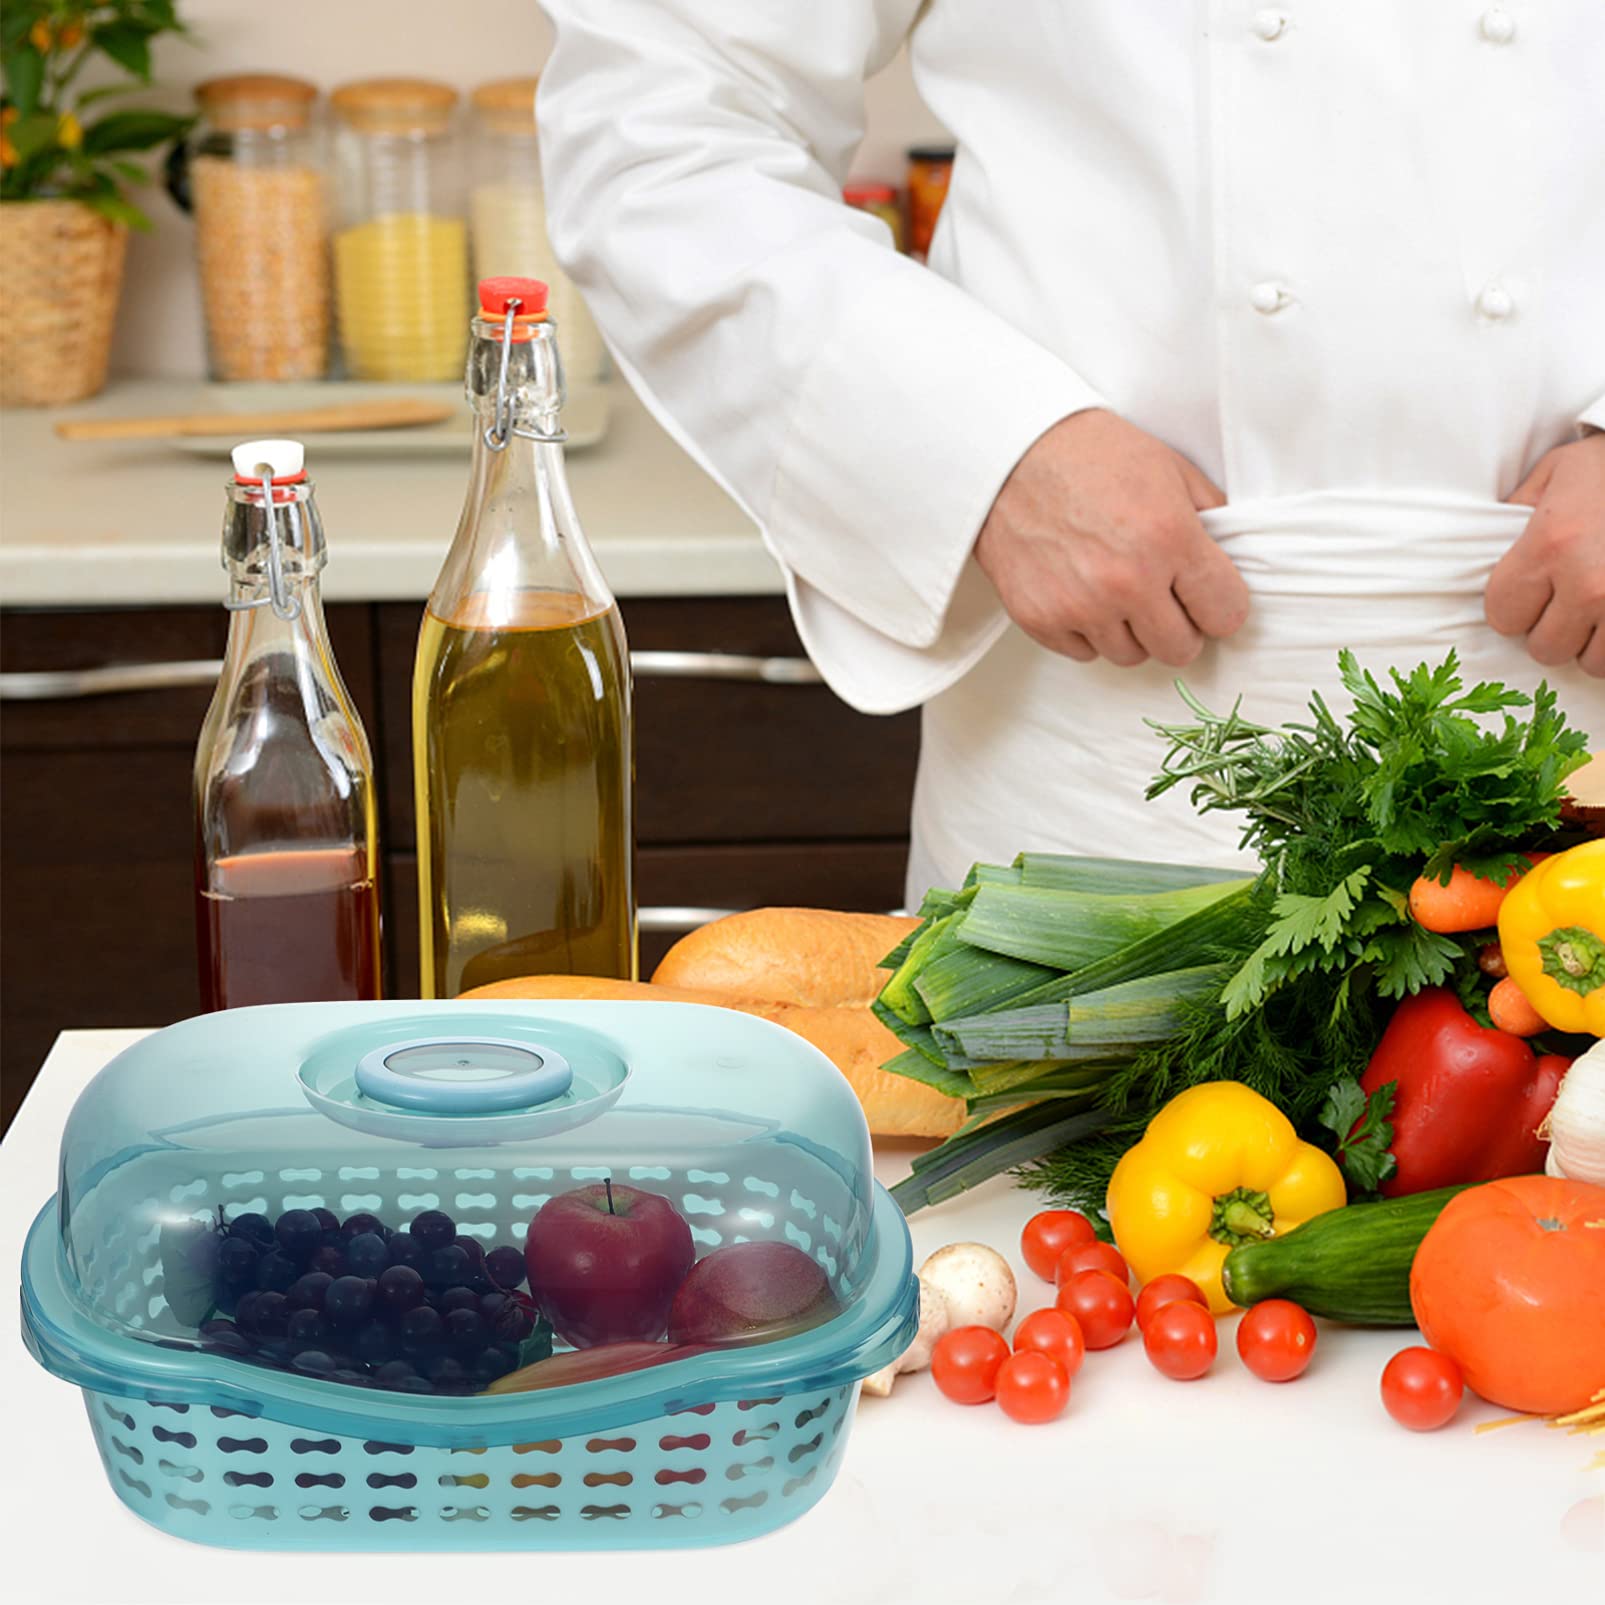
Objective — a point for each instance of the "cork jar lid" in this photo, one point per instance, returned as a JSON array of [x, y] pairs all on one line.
[[395, 105], [507, 105], [256, 100]]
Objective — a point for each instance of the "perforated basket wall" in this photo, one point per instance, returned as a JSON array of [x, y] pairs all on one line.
[[709, 1474]]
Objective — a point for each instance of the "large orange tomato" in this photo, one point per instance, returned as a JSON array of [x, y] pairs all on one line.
[[1510, 1282]]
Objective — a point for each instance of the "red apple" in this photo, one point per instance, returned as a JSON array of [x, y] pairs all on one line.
[[745, 1292], [605, 1262]]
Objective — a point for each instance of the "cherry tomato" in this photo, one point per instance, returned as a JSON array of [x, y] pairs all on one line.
[[1421, 1388], [1276, 1340], [1091, 1257], [1054, 1333], [1048, 1234], [1180, 1340], [965, 1363], [1102, 1305], [1163, 1290], [1032, 1387]]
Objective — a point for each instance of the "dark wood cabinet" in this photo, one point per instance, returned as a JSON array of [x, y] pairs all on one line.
[[748, 793]]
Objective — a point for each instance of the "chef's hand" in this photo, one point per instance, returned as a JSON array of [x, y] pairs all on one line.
[[1550, 585], [1095, 547]]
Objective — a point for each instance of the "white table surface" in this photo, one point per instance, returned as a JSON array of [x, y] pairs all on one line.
[[1145, 1490], [93, 524]]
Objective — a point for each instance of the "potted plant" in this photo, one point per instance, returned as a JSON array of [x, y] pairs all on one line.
[[64, 170]]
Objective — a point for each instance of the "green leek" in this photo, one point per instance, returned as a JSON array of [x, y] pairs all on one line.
[[1113, 876], [917, 1067], [960, 979], [898, 994], [1069, 930], [1217, 931], [976, 1155], [1124, 1017]]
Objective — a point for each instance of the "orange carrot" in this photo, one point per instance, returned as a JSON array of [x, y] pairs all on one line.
[[1468, 903], [1510, 1011]]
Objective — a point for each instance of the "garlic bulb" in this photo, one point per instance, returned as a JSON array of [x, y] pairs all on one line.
[[1576, 1123]]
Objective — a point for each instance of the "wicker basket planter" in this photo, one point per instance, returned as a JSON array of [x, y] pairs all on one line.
[[61, 269]]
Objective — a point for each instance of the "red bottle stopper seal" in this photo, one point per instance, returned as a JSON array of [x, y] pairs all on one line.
[[495, 294]]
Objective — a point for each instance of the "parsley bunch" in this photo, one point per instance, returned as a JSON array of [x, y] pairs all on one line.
[[1424, 774]]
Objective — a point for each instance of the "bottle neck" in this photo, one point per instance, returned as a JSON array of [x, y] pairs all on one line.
[[519, 532], [273, 560], [254, 619], [515, 384], [273, 551]]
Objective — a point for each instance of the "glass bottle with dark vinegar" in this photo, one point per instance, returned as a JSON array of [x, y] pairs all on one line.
[[287, 851], [522, 744]]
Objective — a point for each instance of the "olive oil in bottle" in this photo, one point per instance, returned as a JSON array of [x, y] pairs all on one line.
[[522, 743]]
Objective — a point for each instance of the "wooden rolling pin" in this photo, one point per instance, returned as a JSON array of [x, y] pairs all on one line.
[[401, 413]]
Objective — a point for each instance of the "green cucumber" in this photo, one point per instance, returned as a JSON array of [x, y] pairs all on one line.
[[1349, 1264]]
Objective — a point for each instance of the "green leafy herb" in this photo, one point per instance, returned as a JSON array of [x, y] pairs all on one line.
[[1346, 817], [1364, 1131]]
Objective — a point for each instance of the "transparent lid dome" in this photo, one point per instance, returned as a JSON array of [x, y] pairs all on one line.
[[235, 1192]]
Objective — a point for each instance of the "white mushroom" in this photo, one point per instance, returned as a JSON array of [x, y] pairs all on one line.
[[935, 1319], [976, 1282]]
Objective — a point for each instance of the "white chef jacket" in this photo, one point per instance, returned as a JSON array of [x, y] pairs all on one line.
[[1346, 255]]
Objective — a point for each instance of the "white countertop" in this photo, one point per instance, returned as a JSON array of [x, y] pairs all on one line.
[[106, 523], [1145, 1490]]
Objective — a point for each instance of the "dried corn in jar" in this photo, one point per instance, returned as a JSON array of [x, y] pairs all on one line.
[[507, 208], [259, 195], [401, 243]]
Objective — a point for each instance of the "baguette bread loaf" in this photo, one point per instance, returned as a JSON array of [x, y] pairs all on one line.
[[813, 956], [849, 1036]]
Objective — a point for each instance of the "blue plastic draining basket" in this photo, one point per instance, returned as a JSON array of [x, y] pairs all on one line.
[[748, 1130]]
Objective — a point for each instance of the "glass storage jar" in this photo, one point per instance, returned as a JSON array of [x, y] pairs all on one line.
[[401, 242], [930, 170], [879, 200], [508, 212], [258, 191]]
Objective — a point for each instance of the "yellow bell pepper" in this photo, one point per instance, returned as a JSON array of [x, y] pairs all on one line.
[[1218, 1166], [1552, 933]]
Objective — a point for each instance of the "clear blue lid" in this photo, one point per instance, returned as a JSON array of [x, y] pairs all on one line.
[[243, 1126]]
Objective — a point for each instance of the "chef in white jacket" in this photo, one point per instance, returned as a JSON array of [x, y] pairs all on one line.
[[1248, 333]]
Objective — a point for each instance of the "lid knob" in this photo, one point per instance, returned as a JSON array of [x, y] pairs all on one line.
[[462, 1075]]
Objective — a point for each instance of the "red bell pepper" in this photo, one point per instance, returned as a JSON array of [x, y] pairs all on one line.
[[1470, 1098]]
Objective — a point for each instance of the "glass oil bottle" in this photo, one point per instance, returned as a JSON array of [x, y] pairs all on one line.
[[522, 740]]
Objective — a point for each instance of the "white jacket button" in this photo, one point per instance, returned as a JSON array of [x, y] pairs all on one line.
[[1270, 24], [1268, 297], [1495, 303], [1497, 25]]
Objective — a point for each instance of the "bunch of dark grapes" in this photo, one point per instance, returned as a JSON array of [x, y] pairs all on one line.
[[420, 1310]]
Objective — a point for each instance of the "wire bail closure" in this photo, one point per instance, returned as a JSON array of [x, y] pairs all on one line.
[[502, 429], [286, 608]]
